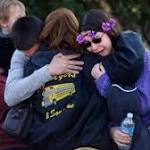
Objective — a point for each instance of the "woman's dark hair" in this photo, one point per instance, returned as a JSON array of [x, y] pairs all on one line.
[[25, 32], [60, 29], [93, 19]]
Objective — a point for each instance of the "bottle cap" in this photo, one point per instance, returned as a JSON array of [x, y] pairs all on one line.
[[130, 115]]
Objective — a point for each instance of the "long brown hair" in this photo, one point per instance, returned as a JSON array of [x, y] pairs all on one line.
[[60, 29]]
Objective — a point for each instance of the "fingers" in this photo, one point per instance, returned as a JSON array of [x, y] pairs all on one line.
[[63, 63], [120, 137], [59, 55], [97, 72], [68, 59], [72, 71], [73, 62], [123, 139], [72, 56], [73, 67], [101, 68], [94, 69]]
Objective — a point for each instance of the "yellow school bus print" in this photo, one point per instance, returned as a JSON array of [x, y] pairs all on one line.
[[54, 93]]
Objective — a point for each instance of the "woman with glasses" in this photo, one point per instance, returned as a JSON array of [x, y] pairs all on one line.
[[122, 75]]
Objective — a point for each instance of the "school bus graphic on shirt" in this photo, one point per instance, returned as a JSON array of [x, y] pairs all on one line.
[[54, 93]]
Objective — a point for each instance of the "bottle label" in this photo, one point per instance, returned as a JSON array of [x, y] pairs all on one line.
[[128, 130]]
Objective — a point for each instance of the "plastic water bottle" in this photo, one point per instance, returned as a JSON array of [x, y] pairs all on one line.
[[127, 126]]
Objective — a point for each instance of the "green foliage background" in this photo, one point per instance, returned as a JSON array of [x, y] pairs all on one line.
[[132, 14]]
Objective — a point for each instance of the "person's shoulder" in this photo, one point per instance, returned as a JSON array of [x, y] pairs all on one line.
[[129, 34], [42, 56], [19, 52], [131, 39]]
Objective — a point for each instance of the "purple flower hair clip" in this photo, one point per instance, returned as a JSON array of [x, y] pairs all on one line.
[[108, 25], [91, 34], [80, 37]]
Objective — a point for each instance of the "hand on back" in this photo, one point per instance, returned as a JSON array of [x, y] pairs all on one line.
[[65, 64]]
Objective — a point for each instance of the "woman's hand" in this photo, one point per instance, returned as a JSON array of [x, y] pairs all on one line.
[[61, 64], [97, 71], [119, 137]]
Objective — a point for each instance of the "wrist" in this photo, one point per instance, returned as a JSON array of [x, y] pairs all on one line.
[[112, 130]]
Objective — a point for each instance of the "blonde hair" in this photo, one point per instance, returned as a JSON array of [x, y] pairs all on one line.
[[5, 7], [60, 29]]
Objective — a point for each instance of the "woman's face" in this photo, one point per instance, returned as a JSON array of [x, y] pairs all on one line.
[[101, 43], [15, 12]]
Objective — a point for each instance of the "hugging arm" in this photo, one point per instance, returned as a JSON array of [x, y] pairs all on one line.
[[19, 88]]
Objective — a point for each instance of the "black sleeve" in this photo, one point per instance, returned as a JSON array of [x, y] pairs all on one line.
[[126, 63], [90, 59]]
